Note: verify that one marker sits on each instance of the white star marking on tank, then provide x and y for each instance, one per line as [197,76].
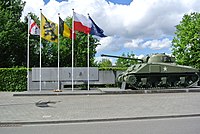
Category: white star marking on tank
[165,69]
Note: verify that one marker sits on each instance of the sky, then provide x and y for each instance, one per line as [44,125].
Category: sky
[136,26]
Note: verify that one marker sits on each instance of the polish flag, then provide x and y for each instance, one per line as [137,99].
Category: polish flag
[82,23]
[34,29]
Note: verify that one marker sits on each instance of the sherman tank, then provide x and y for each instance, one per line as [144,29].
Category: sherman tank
[157,71]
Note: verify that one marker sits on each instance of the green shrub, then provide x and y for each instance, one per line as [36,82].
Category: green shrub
[13,79]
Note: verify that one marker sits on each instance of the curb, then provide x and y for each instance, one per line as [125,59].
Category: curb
[153,91]
[54,94]
[15,123]
[107,92]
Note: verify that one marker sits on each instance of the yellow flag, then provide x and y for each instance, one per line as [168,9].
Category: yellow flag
[49,29]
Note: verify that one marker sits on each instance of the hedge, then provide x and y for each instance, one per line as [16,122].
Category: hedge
[113,68]
[13,79]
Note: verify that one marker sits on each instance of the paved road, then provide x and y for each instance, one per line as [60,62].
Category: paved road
[22,109]
[152,126]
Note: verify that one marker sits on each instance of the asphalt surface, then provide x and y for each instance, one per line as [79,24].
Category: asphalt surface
[156,126]
[94,105]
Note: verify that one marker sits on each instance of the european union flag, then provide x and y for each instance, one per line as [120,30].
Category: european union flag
[95,30]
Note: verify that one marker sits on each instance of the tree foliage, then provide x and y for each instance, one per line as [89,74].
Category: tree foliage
[186,43]
[120,62]
[105,63]
[13,42]
[12,34]
[50,50]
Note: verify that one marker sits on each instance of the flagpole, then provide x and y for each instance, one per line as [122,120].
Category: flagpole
[40,50]
[28,52]
[88,58]
[58,54]
[88,61]
[73,51]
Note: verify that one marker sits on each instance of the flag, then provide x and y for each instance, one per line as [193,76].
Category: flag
[95,30]
[64,30]
[49,29]
[33,28]
[82,23]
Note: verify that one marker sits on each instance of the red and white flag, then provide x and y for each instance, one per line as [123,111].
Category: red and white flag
[82,23]
[34,29]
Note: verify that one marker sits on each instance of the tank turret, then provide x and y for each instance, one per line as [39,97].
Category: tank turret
[160,58]
[157,71]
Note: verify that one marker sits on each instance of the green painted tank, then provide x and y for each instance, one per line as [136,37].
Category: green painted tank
[157,71]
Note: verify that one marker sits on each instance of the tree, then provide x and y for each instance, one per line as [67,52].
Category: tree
[120,62]
[105,63]
[50,50]
[12,34]
[80,48]
[186,43]
[13,42]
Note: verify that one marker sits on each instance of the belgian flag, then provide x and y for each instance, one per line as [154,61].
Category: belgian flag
[64,30]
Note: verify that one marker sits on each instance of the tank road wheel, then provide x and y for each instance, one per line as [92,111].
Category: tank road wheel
[194,78]
[179,84]
[191,80]
[176,84]
[169,84]
[156,84]
[131,79]
[186,84]
[144,83]
[165,83]
[119,84]
[120,78]
[149,85]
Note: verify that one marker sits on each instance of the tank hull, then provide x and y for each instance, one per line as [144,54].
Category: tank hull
[159,76]
[157,71]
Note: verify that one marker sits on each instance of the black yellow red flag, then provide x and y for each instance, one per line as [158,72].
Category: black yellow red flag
[64,30]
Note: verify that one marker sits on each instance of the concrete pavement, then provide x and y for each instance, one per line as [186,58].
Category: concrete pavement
[86,107]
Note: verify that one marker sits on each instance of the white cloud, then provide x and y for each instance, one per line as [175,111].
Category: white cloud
[133,44]
[127,26]
[33,6]
[140,56]
[157,44]
[152,44]
[111,43]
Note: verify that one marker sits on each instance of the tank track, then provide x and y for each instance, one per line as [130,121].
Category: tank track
[163,81]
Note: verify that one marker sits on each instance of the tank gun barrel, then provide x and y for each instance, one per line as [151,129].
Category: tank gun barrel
[113,56]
